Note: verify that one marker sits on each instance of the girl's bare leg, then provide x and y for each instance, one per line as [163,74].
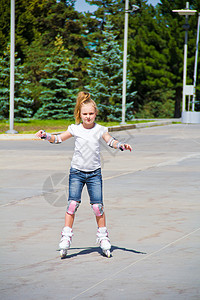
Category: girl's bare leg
[101,221]
[69,220]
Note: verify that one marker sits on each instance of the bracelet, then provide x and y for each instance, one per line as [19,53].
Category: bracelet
[121,146]
[57,139]
[47,136]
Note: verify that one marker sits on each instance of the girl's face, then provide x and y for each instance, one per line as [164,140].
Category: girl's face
[88,115]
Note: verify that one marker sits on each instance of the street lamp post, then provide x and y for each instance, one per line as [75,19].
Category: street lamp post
[12,66]
[187,89]
[127,11]
[195,64]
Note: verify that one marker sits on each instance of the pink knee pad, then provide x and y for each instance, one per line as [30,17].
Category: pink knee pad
[98,209]
[72,207]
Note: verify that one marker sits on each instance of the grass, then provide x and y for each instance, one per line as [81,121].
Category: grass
[32,126]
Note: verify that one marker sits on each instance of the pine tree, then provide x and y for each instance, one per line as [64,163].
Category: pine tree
[108,10]
[58,96]
[4,25]
[34,66]
[4,86]
[153,79]
[22,101]
[106,74]
[175,45]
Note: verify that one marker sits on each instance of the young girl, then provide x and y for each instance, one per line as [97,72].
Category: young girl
[85,168]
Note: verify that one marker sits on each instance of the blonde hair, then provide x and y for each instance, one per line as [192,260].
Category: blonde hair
[82,98]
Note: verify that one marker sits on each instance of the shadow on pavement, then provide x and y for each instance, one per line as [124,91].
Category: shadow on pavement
[90,250]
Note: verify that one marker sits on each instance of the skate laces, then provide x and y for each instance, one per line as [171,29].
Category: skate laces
[65,238]
[102,235]
[67,232]
[66,235]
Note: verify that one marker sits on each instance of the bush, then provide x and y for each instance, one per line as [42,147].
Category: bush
[156,109]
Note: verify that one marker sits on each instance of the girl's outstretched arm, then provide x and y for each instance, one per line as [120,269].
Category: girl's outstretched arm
[65,135]
[53,138]
[113,143]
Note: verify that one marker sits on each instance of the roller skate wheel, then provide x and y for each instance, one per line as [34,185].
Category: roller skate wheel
[107,253]
[63,253]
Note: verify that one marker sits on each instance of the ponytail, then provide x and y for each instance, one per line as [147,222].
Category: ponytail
[82,98]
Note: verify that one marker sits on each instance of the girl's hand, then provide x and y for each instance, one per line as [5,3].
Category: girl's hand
[41,134]
[123,147]
[127,147]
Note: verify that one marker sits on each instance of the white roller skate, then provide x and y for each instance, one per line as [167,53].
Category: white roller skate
[65,241]
[103,240]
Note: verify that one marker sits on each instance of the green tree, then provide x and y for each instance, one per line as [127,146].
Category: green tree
[46,18]
[26,13]
[106,73]
[34,65]
[58,95]
[22,101]
[4,85]
[175,45]
[56,18]
[148,64]
[59,18]
[4,25]
[108,10]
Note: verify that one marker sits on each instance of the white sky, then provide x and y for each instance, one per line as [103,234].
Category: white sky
[81,5]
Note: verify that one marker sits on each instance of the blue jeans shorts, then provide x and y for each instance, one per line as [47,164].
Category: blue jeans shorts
[93,181]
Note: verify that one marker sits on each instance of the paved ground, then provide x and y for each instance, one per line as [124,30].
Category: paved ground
[153,216]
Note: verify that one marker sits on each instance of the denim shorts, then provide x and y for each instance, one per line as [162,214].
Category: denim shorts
[93,181]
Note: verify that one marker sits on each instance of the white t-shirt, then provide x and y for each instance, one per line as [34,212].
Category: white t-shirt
[87,148]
